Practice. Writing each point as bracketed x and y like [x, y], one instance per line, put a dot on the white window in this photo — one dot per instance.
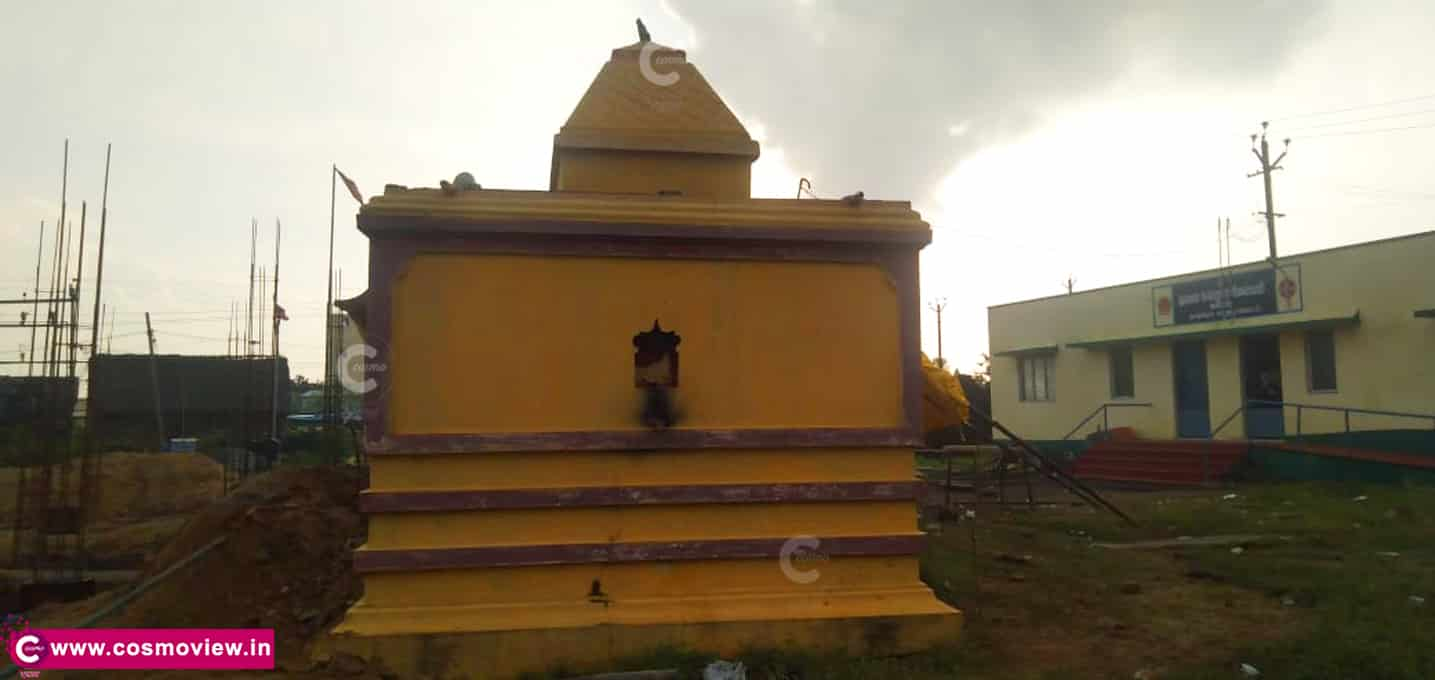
[1034, 373]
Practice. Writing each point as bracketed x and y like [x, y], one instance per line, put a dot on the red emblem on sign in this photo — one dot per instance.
[1287, 289]
[1163, 306]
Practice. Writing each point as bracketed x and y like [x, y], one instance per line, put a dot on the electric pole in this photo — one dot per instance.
[154, 383]
[937, 306]
[1268, 166]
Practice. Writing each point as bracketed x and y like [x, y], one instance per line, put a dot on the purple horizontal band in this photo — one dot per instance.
[619, 440]
[410, 225]
[588, 497]
[369, 561]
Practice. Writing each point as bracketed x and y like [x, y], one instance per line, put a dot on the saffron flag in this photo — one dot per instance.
[353, 188]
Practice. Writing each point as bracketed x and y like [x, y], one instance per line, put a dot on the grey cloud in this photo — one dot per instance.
[847, 87]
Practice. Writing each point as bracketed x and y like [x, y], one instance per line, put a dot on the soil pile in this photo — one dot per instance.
[285, 564]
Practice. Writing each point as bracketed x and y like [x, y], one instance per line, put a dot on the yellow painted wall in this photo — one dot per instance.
[626, 581]
[548, 470]
[533, 344]
[1387, 361]
[636, 524]
[695, 175]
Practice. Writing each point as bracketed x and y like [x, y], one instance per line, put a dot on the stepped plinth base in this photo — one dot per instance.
[507, 641]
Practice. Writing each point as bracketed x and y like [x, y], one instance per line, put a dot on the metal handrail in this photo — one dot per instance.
[1300, 408]
[1346, 410]
[1211, 443]
[1105, 417]
[1228, 420]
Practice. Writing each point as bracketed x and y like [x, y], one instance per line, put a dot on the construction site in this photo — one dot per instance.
[644, 425]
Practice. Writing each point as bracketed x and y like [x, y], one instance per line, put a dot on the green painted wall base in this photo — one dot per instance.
[1420, 442]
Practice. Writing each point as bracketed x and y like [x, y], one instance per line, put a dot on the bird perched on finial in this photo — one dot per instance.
[854, 199]
[643, 33]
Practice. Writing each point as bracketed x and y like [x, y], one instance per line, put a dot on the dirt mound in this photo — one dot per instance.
[285, 564]
[137, 486]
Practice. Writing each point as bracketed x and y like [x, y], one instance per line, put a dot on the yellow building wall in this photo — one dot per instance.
[764, 345]
[647, 172]
[485, 343]
[1385, 362]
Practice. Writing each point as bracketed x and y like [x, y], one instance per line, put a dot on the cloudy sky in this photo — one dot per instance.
[1042, 140]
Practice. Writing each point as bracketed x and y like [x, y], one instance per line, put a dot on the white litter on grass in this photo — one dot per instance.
[1388, 553]
[1249, 670]
[1417, 600]
[1361, 499]
[1229, 497]
[725, 670]
[1237, 550]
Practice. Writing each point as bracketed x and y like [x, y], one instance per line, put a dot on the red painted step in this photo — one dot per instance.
[1160, 461]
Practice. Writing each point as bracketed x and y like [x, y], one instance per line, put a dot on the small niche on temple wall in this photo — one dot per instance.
[655, 371]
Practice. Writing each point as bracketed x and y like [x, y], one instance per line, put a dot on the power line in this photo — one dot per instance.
[1368, 132]
[1376, 193]
[1364, 120]
[1356, 108]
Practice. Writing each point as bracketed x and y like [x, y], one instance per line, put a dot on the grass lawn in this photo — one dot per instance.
[1325, 594]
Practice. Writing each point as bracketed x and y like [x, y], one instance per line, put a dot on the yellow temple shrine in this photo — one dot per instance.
[640, 409]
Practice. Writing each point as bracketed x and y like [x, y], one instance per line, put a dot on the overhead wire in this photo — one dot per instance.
[1362, 107]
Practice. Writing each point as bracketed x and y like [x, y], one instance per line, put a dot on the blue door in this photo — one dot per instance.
[1261, 375]
[1193, 407]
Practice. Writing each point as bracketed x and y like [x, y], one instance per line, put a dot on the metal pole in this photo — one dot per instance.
[274, 405]
[259, 328]
[100, 258]
[62, 286]
[154, 382]
[329, 370]
[60, 238]
[1270, 201]
[54, 287]
[35, 312]
[947, 493]
[75, 294]
[249, 309]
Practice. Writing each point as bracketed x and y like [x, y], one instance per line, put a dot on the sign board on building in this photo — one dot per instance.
[1235, 295]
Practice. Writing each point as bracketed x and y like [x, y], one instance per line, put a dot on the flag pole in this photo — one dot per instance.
[329, 372]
